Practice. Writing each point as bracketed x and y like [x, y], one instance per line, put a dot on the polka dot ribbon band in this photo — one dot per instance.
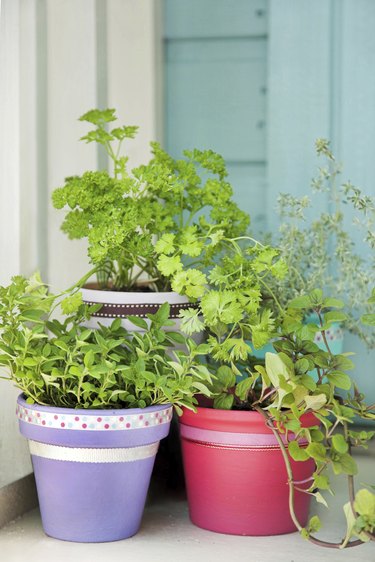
[93, 422]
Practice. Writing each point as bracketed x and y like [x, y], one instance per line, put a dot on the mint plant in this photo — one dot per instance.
[61, 363]
[125, 213]
[238, 310]
[321, 249]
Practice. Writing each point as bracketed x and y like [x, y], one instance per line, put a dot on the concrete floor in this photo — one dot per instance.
[167, 534]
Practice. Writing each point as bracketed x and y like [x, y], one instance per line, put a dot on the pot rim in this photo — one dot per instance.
[134, 296]
[236, 421]
[94, 412]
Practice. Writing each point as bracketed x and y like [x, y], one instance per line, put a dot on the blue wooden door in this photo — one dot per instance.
[259, 81]
[216, 84]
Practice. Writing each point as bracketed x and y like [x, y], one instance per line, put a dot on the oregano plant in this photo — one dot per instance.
[241, 313]
[333, 249]
[56, 361]
[124, 214]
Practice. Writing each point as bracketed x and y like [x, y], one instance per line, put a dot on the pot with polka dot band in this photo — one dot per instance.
[92, 467]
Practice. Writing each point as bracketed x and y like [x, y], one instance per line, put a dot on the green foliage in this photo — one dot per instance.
[321, 249]
[62, 363]
[238, 309]
[136, 220]
[360, 517]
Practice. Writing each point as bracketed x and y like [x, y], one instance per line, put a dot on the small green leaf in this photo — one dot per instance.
[364, 503]
[315, 401]
[276, 367]
[321, 481]
[333, 303]
[314, 524]
[339, 443]
[243, 388]
[368, 319]
[226, 376]
[320, 498]
[137, 321]
[316, 451]
[341, 380]
[335, 316]
[296, 452]
[224, 401]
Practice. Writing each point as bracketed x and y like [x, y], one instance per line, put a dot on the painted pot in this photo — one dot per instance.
[92, 467]
[235, 475]
[117, 304]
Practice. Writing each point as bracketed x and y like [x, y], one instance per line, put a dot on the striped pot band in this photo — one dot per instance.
[91, 455]
[238, 440]
[93, 422]
[141, 310]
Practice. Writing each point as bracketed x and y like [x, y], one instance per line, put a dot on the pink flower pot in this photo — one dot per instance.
[235, 475]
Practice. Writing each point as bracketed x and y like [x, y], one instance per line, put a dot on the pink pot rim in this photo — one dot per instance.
[234, 421]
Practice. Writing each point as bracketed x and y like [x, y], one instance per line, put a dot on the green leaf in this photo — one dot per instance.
[364, 503]
[71, 303]
[332, 303]
[335, 316]
[226, 376]
[243, 388]
[321, 481]
[348, 464]
[300, 302]
[190, 282]
[308, 382]
[30, 362]
[368, 319]
[314, 524]
[176, 337]
[116, 324]
[224, 401]
[296, 452]
[316, 451]
[137, 321]
[339, 443]
[168, 265]
[315, 401]
[202, 388]
[191, 323]
[276, 367]
[341, 380]
[165, 244]
[33, 315]
[320, 498]
[89, 359]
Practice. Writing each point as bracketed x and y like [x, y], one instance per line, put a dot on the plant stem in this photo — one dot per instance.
[288, 467]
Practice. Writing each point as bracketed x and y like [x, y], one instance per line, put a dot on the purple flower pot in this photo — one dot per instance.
[92, 467]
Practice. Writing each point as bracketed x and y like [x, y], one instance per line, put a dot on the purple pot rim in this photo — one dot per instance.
[94, 412]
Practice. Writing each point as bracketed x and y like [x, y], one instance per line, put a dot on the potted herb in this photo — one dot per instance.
[333, 249]
[263, 448]
[129, 217]
[94, 406]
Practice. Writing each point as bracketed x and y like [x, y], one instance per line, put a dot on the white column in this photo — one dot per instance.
[135, 70]
[14, 456]
[71, 91]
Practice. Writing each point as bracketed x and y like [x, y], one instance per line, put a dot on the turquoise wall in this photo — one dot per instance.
[259, 81]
